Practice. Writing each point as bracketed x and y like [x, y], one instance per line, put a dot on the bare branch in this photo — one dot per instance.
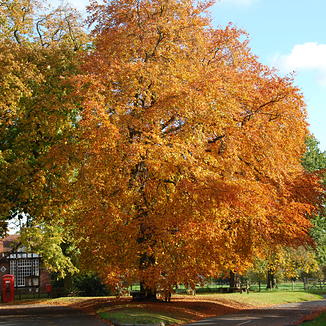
[215, 139]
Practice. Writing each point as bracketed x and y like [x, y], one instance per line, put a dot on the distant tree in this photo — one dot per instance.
[314, 160]
[258, 272]
[283, 263]
[298, 261]
[319, 234]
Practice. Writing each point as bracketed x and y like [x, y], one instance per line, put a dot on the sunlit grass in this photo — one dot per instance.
[265, 298]
[139, 316]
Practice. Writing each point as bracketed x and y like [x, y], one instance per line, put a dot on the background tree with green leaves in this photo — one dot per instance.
[39, 53]
[314, 160]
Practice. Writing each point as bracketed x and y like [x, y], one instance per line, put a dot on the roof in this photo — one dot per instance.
[8, 243]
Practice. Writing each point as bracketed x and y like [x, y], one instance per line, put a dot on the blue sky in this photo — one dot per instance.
[287, 34]
[291, 36]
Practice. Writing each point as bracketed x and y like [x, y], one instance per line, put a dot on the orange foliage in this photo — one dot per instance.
[190, 148]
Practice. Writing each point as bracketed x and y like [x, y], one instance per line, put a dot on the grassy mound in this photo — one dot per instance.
[137, 316]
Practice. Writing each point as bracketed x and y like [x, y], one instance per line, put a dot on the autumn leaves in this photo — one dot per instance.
[202, 171]
[181, 152]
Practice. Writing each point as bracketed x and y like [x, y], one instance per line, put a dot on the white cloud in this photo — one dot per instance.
[309, 56]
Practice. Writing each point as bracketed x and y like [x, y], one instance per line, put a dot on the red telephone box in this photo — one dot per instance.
[8, 293]
[48, 289]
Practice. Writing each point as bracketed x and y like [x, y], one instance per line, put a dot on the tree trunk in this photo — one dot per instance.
[305, 283]
[146, 294]
[232, 281]
[270, 279]
[140, 174]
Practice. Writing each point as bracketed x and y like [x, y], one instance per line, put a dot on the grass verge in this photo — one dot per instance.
[140, 316]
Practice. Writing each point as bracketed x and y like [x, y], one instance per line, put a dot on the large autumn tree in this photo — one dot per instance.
[190, 148]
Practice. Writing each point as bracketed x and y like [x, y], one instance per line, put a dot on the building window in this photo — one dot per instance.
[23, 267]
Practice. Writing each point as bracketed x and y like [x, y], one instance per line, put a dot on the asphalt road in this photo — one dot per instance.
[282, 315]
[44, 315]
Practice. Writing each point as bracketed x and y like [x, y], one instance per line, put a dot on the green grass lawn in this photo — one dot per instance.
[215, 288]
[296, 286]
[265, 298]
[139, 316]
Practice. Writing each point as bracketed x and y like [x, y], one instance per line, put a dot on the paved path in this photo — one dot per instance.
[45, 315]
[282, 315]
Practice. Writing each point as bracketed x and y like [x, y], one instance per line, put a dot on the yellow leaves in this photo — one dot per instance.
[35, 117]
[16, 74]
[288, 261]
[46, 240]
[33, 23]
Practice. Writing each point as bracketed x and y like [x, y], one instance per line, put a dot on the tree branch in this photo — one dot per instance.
[215, 139]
